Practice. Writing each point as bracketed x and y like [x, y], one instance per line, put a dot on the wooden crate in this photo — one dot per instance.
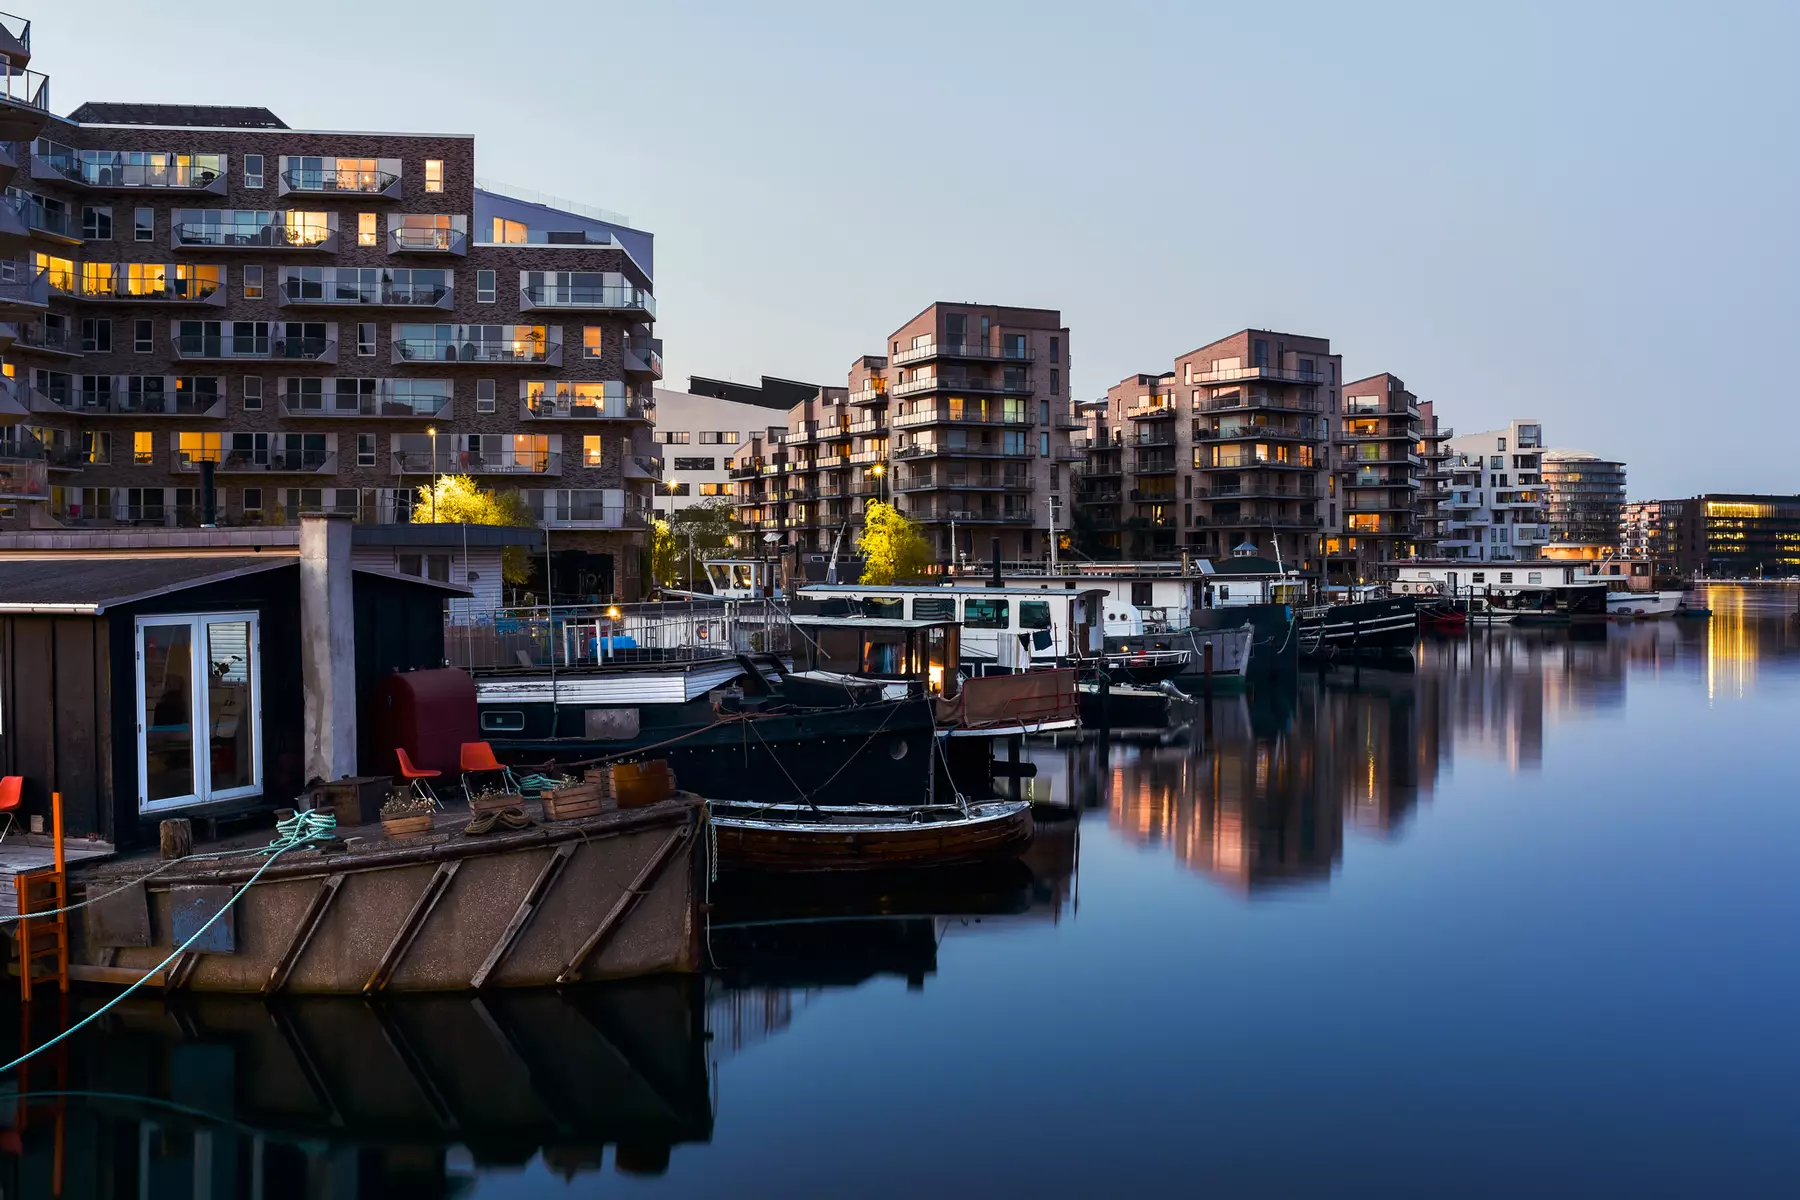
[602, 778]
[570, 803]
[494, 801]
[407, 826]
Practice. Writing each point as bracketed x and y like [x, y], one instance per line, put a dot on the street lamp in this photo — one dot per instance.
[879, 470]
[432, 430]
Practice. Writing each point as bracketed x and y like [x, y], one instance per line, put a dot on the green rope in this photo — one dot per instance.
[299, 830]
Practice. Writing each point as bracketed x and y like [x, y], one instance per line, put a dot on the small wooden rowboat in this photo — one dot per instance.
[867, 837]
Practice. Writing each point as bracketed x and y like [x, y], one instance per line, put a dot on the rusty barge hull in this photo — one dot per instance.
[615, 896]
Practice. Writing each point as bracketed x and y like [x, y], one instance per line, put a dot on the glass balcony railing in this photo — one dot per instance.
[298, 403]
[467, 350]
[592, 299]
[427, 239]
[344, 182]
[255, 237]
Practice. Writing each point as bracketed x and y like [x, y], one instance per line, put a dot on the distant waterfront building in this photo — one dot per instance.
[1584, 499]
[962, 422]
[1496, 510]
[1641, 532]
[700, 431]
[1379, 469]
[1732, 536]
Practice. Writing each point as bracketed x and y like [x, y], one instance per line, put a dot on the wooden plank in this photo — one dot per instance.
[534, 896]
[435, 887]
[628, 900]
[309, 924]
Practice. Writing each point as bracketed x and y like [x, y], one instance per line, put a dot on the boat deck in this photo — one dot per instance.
[23, 853]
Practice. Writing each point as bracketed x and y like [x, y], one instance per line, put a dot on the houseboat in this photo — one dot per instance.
[1481, 589]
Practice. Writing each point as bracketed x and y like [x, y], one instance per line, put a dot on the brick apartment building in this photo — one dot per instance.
[1388, 473]
[1725, 535]
[328, 319]
[963, 423]
[1231, 447]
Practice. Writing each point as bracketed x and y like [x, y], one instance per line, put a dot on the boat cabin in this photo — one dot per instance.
[925, 655]
[1004, 628]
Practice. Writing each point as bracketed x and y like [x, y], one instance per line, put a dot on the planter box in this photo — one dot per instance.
[407, 826]
[495, 800]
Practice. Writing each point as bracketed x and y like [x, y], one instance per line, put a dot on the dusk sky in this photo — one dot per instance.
[1582, 213]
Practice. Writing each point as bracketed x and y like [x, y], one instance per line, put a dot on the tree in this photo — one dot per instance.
[457, 501]
[705, 530]
[892, 546]
[664, 554]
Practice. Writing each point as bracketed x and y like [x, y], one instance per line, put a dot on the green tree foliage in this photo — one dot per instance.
[892, 546]
[456, 500]
[683, 542]
[665, 567]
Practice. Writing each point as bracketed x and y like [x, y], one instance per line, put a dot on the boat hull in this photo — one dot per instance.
[1388, 626]
[1635, 605]
[800, 838]
[608, 897]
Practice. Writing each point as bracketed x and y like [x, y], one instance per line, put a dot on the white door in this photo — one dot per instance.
[199, 703]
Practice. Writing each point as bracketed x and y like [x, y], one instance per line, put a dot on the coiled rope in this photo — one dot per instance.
[302, 829]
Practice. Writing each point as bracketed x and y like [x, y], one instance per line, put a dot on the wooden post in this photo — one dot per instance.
[177, 835]
[1206, 660]
[56, 828]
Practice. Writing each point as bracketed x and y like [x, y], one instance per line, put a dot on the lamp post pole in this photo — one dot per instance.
[432, 430]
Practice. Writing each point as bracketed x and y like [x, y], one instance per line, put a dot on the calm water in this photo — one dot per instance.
[1520, 922]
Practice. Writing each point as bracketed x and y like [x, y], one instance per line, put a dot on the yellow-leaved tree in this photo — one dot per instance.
[457, 501]
[892, 546]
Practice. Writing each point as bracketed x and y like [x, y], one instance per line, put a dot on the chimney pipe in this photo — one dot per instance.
[209, 499]
[996, 552]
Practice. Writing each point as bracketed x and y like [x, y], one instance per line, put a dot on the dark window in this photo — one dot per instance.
[1140, 594]
[696, 464]
[503, 721]
[985, 614]
[884, 606]
[1034, 614]
[934, 608]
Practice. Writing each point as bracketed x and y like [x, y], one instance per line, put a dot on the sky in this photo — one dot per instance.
[1578, 212]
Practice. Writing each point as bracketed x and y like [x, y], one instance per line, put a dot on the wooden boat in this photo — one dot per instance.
[1442, 617]
[802, 837]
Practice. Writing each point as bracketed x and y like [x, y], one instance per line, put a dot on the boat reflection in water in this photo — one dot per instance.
[328, 1096]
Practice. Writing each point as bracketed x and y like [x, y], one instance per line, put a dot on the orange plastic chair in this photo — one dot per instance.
[417, 776]
[12, 790]
[478, 759]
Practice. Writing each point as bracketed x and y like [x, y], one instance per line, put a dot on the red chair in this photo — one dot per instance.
[416, 776]
[478, 759]
[12, 791]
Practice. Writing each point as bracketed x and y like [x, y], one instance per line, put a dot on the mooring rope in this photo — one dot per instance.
[299, 830]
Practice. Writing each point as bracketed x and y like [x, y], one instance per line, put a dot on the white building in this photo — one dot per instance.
[700, 431]
[1496, 508]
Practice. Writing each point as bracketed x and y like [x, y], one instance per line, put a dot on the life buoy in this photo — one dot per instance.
[705, 633]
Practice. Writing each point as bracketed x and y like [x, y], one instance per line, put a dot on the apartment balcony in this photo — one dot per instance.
[221, 348]
[943, 416]
[277, 236]
[1161, 411]
[384, 403]
[1154, 466]
[330, 182]
[1362, 524]
[1377, 479]
[626, 301]
[963, 483]
[567, 512]
[9, 163]
[170, 403]
[866, 426]
[1254, 521]
[1153, 436]
[260, 462]
[582, 408]
[14, 402]
[514, 352]
[1067, 454]
[1388, 454]
[868, 395]
[969, 387]
[303, 293]
[1389, 408]
[427, 239]
[24, 290]
[108, 171]
[22, 478]
[1259, 433]
[1151, 496]
[1530, 534]
[119, 288]
[973, 351]
[971, 516]
[1103, 471]
[1381, 433]
[15, 236]
[24, 104]
[34, 337]
[1273, 403]
[1266, 373]
[1251, 463]
[907, 453]
[15, 39]
[452, 461]
[1278, 488]
[643, 356]
[1377, 504]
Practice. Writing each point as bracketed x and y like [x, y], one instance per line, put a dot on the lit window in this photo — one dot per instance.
[593, 452]
[434, 174]
[509, 233]
[590, 341]
[142, 447]
[365, 229]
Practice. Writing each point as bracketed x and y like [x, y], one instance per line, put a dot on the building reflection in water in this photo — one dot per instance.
[1262, 805]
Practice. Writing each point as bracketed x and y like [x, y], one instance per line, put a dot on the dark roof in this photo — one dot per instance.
[1249, 564]
[778, 394]
[446, 535]
[212, 116]
[93, 585]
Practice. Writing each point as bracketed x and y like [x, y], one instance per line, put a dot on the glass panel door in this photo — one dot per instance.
[200, 709]
[230, 708]
[166, 776]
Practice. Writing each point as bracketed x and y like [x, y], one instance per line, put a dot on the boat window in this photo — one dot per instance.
[1535, 577]
[1034, 614]
[741, 576]
[884, 606]
[934, 608]
[885, 654]
[1477, 576]
[1640, 568]
[502, 721]
[1506, 576]
[1140, 594]
[985, 614]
